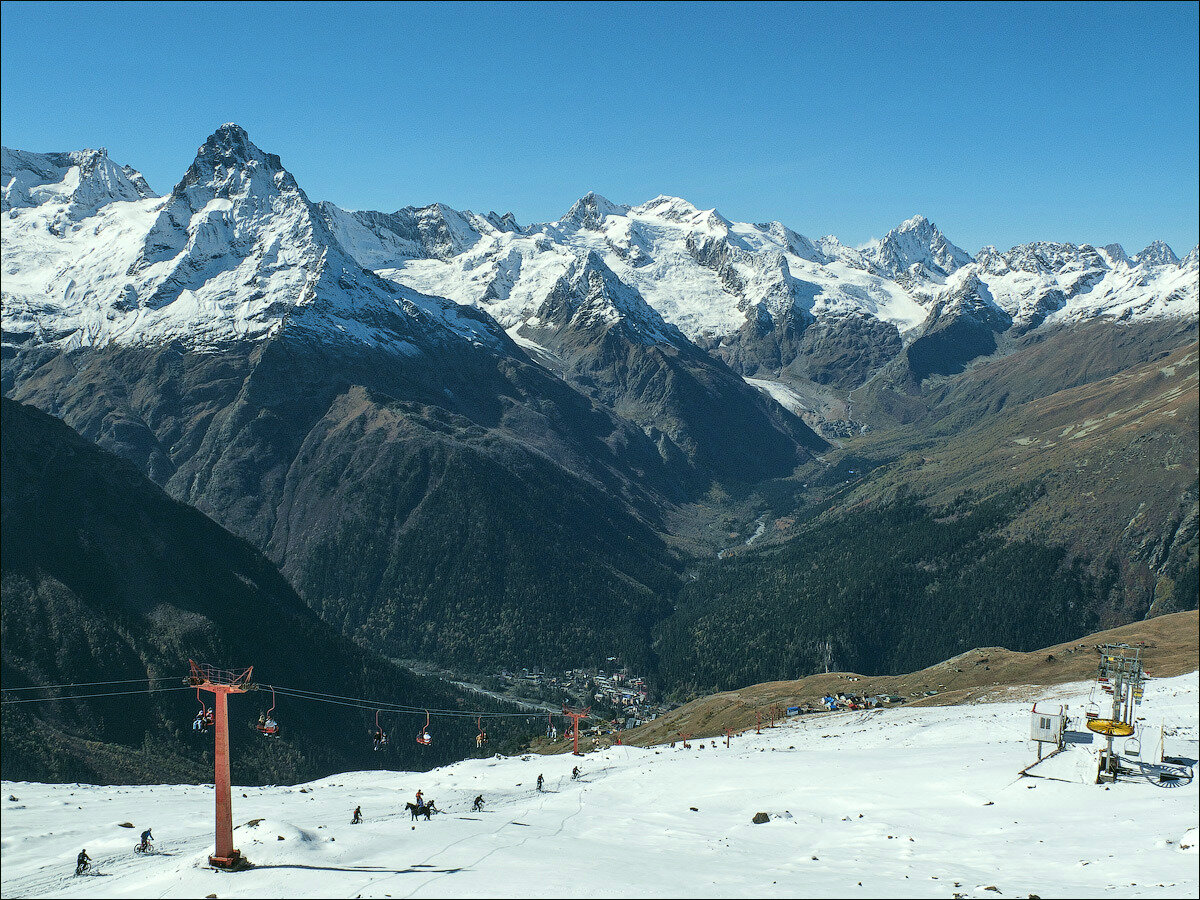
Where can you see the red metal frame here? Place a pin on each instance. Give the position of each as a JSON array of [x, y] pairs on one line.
[[575, 716], [222, 683]]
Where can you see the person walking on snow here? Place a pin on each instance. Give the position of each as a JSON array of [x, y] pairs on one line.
[[540, 781], [357, 816]]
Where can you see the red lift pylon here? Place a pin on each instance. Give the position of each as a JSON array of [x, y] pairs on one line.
[[575, 716], [222, 683]]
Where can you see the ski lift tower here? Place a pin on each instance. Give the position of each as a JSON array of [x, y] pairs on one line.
[[575, 715], [1122, 676], [222, 683]]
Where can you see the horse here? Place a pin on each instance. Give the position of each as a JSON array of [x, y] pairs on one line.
[[423, 809]]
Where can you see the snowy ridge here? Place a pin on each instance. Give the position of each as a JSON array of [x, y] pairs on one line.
[[908, 802], [235, 252], [80, 182], [703, 273]]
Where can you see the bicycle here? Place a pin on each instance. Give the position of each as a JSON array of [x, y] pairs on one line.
[[144, 847]]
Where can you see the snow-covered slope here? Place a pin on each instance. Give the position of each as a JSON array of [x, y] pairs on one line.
[[235, 252], [888, 803]]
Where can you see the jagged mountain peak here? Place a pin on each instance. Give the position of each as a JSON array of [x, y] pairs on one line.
[[1157, 253], [1116, 254], [916, 247], [227, 163], [82, 181], [590, 211], [589, 295], [507, 222], [1192, 260]]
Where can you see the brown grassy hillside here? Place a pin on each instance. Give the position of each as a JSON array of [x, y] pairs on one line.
[[1170, 643]]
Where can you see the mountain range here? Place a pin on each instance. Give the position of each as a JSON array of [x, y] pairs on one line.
[[481, 443]]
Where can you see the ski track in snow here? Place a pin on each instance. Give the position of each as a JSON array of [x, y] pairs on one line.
[[897, 800]]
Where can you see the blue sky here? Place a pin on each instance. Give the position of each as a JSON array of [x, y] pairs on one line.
[[1003, 123]]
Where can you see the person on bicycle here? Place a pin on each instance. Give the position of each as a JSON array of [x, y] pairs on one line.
[[479, 803], [146, 838], [81, 861]]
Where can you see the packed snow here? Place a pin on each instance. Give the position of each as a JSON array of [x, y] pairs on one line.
[[899, 802]]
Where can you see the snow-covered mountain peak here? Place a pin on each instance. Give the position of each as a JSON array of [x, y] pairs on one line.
[[1116, 255], [678, 211], [590, 211], [916, 248], [236, 252], [1157, 253], [1192, 260], [228, 166], [78, 182], [590, 296]]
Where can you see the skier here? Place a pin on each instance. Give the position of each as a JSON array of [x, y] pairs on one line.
[[540, 781], [478, 807], [357, 820], [81, 862], [146, 838], [575, 773]]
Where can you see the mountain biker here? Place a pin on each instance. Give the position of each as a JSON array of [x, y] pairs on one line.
[[575, 773], [540, 782], [357, 816], [146, 838], [478, 807], [81, 861]]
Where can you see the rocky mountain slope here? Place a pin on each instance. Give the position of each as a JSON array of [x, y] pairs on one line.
[[106, 578]]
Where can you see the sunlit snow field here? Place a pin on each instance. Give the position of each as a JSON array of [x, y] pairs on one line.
[[903, 802]]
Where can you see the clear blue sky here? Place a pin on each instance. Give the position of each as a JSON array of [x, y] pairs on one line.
[[1003, 123]]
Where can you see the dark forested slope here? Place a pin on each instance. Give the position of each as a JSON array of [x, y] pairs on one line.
[[105, 578]]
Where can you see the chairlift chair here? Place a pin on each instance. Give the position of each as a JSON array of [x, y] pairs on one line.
[[1133, 746], [423, 738], [381, 738], [204, 718], [267, 726]]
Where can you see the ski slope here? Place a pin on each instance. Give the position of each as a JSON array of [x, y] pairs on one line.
[[917, 802]]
